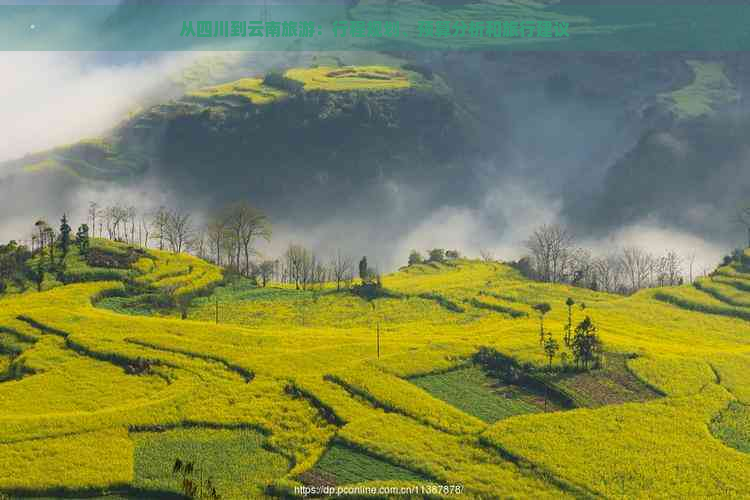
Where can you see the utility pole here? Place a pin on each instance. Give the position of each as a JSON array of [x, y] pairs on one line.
[[378, 339], [217, 309], [377, 328]]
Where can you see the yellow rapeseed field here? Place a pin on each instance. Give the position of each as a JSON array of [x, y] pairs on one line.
[[303, 370]]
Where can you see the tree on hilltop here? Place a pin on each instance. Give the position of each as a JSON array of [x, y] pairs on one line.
[[569, 326], [178, 230], [551, 248], [65, 231], [415, 258], [364, 270], [265, 271], [82, 239], [743, 217], [341, 267], [246, 224], [159, 221], [542, 308], [452, 254], [50, 237], [586, 345], [41, 236], [437, 255]]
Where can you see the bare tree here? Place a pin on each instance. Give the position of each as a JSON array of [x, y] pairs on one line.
[[670, 269], [107, 215], [608, 272], [743, 217], [298, 263], [246, 224], [144, 227], [178, 230], [159, 222], [265, 271], [486, 255], [41, 238], [217, 230], [319, 271], [198, 244], [93, 214], [581, 268], [132, 214], [341, 267], [115, 220], [637, 265], [551, 247], [691, 263]]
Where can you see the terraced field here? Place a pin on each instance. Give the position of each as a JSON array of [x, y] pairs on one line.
[[288, 388]]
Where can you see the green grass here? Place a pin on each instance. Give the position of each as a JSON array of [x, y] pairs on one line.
[[242, 289], [251, 89], [472, 391], [126, 305], [709, 89], [346, 465], [732, 426], [235, 460], [76, 268], [612, 384]]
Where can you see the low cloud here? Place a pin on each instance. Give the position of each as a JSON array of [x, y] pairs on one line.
[[54, 98]]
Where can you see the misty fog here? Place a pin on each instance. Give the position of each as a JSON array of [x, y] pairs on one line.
[[547, 153]]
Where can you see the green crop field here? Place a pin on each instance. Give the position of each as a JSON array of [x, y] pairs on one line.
[[104, 387], [472, 391], [342, 465]]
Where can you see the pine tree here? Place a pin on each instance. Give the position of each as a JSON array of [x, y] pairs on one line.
[[82, 239], [542, 309], [569, 327], [65, 231], [586, 345], [363, 270]]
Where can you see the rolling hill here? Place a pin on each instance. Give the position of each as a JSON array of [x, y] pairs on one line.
[[330, 126], [270, 388]]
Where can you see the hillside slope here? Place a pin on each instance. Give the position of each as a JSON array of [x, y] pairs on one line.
[[329, 127]]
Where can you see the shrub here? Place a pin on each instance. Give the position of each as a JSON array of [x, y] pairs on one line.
[[452, 254], [374, 290], [437, 255], [279, 81], [415, 258], [498, 364]]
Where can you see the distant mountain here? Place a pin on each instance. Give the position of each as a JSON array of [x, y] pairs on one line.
[[274, 139]]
